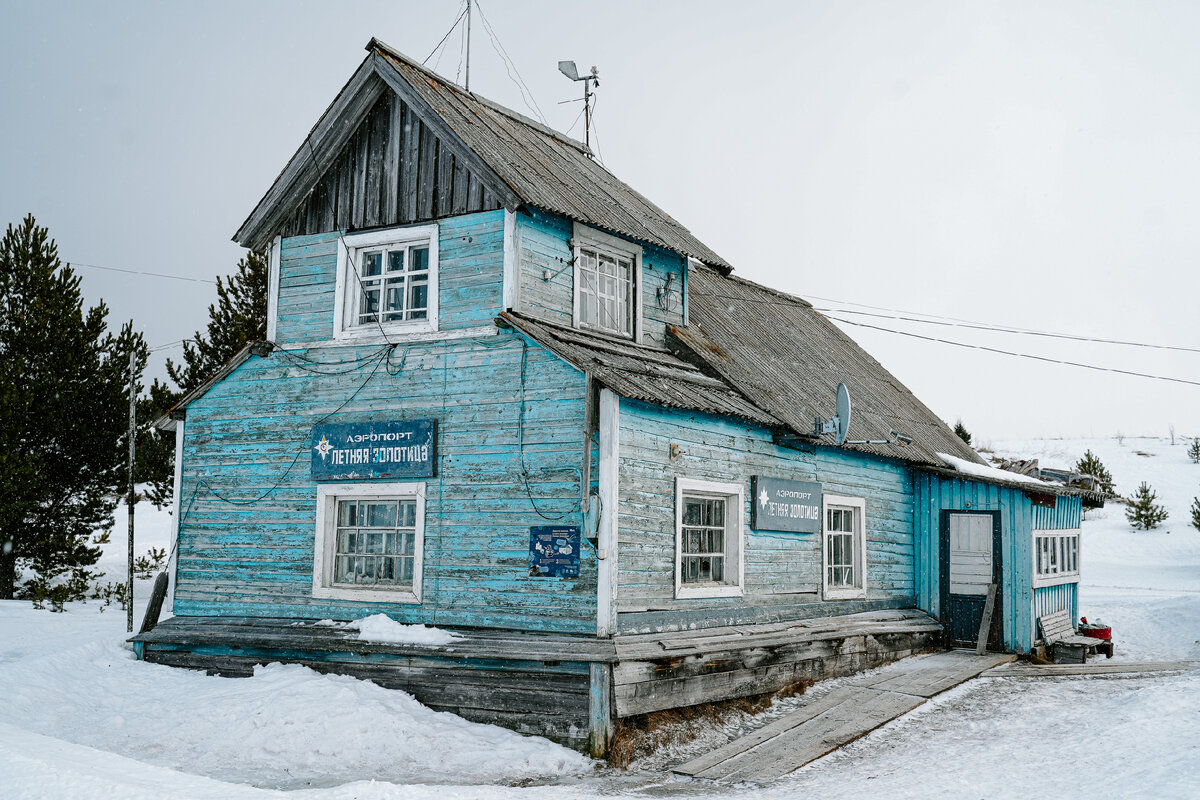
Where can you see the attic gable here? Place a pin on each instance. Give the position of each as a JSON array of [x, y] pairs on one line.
[[428, 149]]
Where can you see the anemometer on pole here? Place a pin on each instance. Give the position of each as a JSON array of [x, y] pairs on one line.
[[590, 82], [839, 424]]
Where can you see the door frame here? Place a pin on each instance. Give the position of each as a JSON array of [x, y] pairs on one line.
[[996, 634]]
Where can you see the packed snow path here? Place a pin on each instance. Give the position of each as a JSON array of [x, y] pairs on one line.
[[842, 716]]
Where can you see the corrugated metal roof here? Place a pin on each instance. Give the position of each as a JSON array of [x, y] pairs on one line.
[[544, 167], [788, 359], [640, 373]]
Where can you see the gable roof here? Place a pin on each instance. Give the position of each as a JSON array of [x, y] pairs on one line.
[[639, 372], [788, 359], [518, 161]]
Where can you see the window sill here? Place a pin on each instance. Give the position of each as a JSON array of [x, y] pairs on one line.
[[690, 592], [407, 596], [1055, 580], [845, 594], [371, 334]]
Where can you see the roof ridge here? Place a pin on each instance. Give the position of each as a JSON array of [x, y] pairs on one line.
[[761, 287], [387, 50]]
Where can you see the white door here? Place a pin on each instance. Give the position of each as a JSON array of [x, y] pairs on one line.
[[970, 553]]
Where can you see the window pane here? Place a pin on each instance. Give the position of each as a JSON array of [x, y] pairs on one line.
[[418, 295], [420, 259], [347, 513], [396, 261], [372, 264], [408, 514], [370, 303]]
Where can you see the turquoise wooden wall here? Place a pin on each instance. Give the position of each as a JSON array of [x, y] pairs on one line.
[[470, 280], [782, 570], [247, 441], [545, 249], [1066, 515], [1018, 515]]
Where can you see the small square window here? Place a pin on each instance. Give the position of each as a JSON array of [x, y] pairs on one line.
[[369, 542], [708, 539], [387, 283]]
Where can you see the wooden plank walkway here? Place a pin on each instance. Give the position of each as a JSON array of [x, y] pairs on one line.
[[840, 717], [1103, 668]]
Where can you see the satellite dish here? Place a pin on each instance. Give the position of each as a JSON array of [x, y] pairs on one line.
[[843, 413]]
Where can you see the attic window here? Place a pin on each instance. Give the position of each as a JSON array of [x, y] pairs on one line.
[[387, 283], [607, 277]]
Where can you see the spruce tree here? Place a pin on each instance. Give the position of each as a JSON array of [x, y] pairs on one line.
[[1194, 451], [1196, 513], [961, 431], [63, 411], [1143, 512], [1090, 464]]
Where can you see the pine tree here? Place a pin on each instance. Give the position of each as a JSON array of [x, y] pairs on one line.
[[1196, 513], [1143, 512], [63, 410], [961, 431], [1090, 464], [239, 316], [1194, 451]]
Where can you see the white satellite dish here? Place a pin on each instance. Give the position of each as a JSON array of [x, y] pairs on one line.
[[839, 423], [843, 413]]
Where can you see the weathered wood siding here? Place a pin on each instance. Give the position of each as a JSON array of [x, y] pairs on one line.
[[782, 570], [392, 171], [1067, 514], [934, 494], [246, 537], [470, 278], [548, 276]]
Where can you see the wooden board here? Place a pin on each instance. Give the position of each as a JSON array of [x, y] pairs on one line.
[[840, 717], [1067, 670]]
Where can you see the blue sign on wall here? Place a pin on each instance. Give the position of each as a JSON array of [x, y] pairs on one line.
[[364, 450], [781, 505], [554, 551]]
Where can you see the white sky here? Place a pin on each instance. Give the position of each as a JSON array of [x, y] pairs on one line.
[[1025, 164]]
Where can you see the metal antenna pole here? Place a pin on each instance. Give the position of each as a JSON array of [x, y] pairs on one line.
[[132, 446], [468, 87], [587, 112]]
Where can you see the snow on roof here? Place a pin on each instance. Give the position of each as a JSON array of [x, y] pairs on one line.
[[989, 473]]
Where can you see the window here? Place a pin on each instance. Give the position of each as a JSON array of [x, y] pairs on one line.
[[844, 571], [708, 538], [387, 283], [369, 541], [1055, 557], [607, 276]]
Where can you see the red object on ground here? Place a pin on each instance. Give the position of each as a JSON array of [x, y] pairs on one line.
[[1096, 631]]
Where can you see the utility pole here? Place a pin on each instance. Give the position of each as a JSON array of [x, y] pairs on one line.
[[468, 86], [132, 446]]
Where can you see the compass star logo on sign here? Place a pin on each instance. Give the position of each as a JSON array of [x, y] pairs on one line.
[[323, 447]]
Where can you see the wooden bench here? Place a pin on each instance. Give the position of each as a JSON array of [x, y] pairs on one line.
[[1064, 644]]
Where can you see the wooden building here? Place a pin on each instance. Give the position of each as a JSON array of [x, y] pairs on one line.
[[506, 395]]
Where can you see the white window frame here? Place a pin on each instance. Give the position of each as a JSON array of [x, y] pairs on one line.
[[348, 290], [859, 505], [734, 495], [328, 495], [593, 239], [1059, 539]]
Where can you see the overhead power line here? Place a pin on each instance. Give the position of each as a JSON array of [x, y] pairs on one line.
[[139, 272], [1016, 354]]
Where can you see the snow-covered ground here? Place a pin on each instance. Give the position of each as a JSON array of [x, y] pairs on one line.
[[79, 718]]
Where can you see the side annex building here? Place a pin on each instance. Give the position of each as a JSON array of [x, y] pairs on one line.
[[504, 394]]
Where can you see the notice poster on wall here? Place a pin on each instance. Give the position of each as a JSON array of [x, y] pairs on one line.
[[782, 505], [358, 451], [554, 551]]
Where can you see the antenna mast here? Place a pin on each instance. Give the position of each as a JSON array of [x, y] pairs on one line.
[[468, 86], [590, 82]]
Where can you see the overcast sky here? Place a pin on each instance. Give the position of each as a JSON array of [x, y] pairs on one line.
[[1034, 165]]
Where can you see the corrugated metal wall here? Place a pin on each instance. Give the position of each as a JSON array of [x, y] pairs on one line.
[[1066, 515], [1048, 599]]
